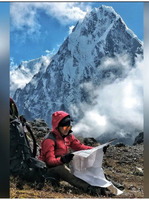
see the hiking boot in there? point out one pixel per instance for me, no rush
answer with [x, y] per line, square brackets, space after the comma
[39, 186]
[54, 182]
[96, 191]
[19, 185]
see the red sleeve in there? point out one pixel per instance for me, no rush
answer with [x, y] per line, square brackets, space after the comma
[49, 153]
[77, 145]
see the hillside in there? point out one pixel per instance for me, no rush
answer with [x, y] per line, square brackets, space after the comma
[122, 164]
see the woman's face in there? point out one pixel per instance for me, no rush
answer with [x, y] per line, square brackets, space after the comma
[64, 130]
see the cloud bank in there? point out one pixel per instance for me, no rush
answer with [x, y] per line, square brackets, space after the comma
[25, 15]
[117, 108]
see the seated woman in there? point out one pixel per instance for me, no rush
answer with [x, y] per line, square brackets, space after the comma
[55, 151]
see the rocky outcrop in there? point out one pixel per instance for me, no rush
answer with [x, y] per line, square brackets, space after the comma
[39, 128]
[139, 139]
[90, 142]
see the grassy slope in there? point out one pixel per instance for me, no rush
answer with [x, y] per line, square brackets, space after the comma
[120, 166]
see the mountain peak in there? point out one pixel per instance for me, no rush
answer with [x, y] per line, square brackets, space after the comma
[96, 23]
[107, 9]
[103, 12]
[78, 68]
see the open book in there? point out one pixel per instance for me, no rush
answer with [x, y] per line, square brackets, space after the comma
[87, 165]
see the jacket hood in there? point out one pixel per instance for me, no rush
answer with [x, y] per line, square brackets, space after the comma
[57, 117]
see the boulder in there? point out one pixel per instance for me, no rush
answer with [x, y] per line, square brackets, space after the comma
[139, 139]
[91, 142]
[120, 144]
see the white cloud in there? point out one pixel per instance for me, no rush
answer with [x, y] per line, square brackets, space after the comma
[50, 53]
[47, 51]
[64, 12]
[117, 108]
[25, 15]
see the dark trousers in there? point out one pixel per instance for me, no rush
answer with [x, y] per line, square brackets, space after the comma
[63, 172]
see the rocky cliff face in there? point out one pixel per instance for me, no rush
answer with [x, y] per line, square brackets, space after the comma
[100, 36]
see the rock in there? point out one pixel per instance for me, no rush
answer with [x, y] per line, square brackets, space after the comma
[132, 187]
[40, 134]
[139, 139]
[39, 128]
[118, 185]
[42, 129]
[138, 171]
[40, 123]
[120, 145]
[90, 142]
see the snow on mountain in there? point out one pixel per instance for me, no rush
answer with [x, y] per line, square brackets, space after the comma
[101, 50]
[22, 74]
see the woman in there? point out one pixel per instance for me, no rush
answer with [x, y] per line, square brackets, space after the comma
[55, 148]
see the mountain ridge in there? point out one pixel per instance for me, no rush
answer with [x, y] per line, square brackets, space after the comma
[23, 74]
[79, 63]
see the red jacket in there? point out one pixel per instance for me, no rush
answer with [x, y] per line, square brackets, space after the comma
[53, 149]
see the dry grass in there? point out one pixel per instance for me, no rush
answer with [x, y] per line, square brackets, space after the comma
[119, 165]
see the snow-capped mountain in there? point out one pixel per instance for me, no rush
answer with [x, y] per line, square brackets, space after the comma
[21, 75]
[91, 57]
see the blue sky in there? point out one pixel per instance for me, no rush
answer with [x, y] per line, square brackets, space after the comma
[39, 28]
